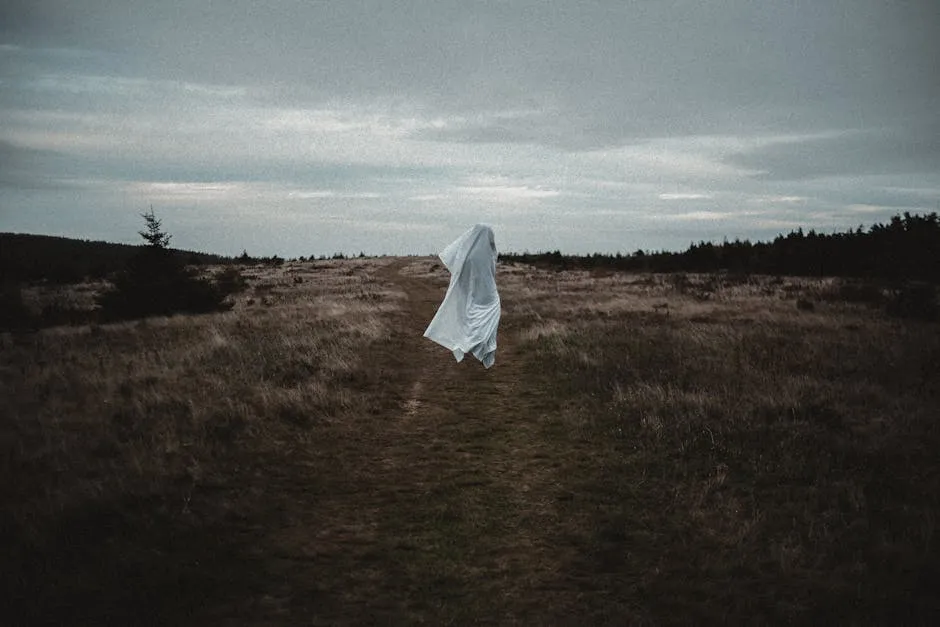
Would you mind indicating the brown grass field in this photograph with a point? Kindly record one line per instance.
(648, 449)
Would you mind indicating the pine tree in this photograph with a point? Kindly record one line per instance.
(154, 234)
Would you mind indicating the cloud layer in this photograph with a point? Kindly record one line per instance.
(297, 127)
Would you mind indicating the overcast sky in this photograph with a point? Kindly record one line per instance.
(302, 127)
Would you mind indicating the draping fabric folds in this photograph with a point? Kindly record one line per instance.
(468, 318)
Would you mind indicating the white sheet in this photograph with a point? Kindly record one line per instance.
(468, 318)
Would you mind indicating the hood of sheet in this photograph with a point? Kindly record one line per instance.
(467, 320)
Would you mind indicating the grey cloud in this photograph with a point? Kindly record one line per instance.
(612, 70)
(889, 196)
(30, 169)
(531, 128)
(33, 169)
(875, 152)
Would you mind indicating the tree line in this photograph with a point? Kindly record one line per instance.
(906, 248)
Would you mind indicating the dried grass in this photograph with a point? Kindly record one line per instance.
(647, 449)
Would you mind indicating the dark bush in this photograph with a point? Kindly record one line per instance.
(852, 291)
(155, 282)
(680, 282)
(14, 314)
(805, 305)
(230, 281)
(861, 292)
(137, 295)
(917, 300)
(55, 314)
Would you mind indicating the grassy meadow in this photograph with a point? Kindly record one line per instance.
(648, 449)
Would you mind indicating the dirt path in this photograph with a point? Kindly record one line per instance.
(438, 507)
(469, 437)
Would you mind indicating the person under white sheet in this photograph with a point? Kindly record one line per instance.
(468, 318)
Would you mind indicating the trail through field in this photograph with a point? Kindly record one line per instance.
(477, 433)
(449, 497)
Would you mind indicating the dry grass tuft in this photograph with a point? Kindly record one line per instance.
(740, 443)
(172, 421)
